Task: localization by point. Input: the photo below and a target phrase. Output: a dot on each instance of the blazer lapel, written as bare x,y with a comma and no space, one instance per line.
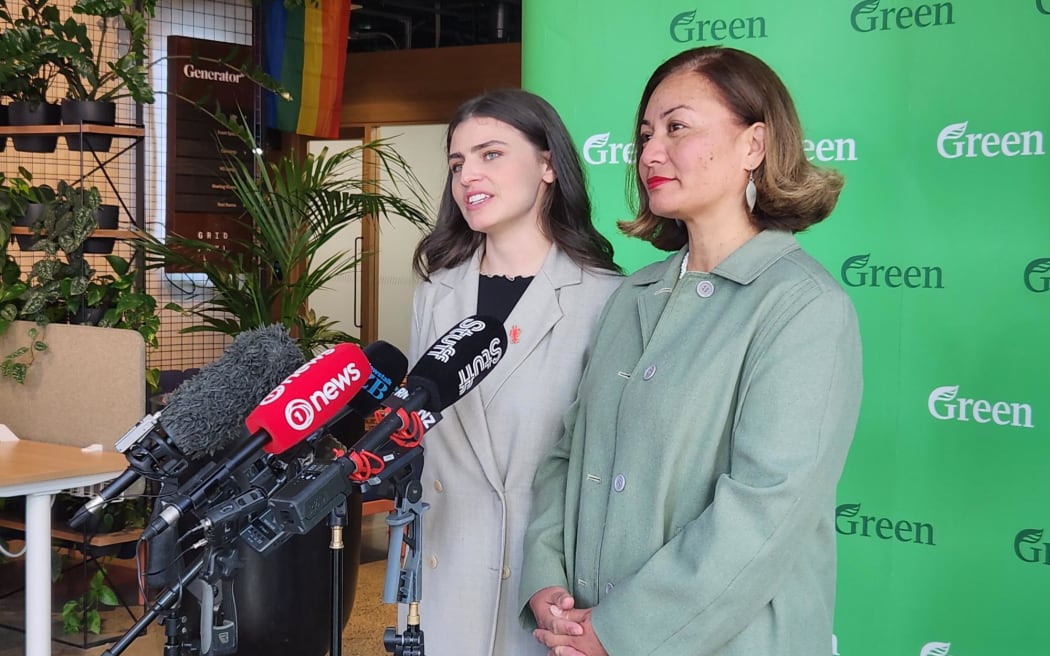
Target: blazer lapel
655,292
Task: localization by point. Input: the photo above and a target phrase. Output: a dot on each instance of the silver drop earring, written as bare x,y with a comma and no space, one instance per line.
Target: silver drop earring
750,192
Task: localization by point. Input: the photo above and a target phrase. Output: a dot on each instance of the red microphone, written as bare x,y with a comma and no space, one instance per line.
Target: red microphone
310,397
298,407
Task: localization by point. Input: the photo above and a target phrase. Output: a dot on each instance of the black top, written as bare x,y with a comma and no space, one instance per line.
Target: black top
497,295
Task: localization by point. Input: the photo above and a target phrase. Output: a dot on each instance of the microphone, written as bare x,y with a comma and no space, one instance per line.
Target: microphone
453,365
204,414
389,365
296,408
450,368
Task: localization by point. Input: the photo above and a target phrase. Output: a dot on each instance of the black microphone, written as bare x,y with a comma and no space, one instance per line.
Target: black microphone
453,365
449,369
389,365
205,413
296,409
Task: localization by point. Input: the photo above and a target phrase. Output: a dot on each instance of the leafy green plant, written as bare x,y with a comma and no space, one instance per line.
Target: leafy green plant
292,209
90,76
29,55
85,608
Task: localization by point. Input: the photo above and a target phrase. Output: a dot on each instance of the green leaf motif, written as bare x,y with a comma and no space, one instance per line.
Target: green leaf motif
848,510
1031,535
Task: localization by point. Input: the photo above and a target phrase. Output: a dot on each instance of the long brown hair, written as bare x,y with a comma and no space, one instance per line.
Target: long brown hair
792,193
565,216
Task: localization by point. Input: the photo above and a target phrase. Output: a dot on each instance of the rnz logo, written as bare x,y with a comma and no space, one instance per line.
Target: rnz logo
955,141
1030,547
1037,275
597,151
936,649
944,403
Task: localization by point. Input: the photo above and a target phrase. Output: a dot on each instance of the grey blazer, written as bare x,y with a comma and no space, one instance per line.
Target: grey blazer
481,458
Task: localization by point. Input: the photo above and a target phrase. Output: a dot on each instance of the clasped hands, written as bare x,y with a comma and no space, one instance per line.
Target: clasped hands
564,629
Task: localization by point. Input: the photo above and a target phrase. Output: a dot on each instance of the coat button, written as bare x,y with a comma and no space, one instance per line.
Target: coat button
619,483
433,562
438,486
609,587
649,372
705,288
505,573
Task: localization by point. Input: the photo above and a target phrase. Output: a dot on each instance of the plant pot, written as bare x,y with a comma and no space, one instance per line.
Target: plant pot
30,114
3,123
33,210
88,316
88,112
284,598
108,217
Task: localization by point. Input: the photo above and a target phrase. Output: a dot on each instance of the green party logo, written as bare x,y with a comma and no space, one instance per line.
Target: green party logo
597,151
1037,275
936,649
1043,7
954,141
867,16
687,28
857,271
945,404
1029,546
850,521
830,150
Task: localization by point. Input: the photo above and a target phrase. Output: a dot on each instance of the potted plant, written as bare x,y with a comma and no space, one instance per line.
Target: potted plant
292,209
63,285
96,82
31,57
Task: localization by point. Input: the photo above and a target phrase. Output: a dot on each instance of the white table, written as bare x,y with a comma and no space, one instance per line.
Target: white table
38,471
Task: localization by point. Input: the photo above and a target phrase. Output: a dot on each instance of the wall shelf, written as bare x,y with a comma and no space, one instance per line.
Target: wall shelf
115,234
71,130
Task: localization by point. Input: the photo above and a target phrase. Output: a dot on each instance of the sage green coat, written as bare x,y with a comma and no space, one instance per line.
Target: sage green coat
691,499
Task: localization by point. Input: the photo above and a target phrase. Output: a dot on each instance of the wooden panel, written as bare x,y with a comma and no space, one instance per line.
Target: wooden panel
424,85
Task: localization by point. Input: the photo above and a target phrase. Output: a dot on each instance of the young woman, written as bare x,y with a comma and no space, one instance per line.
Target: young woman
689,508
514,240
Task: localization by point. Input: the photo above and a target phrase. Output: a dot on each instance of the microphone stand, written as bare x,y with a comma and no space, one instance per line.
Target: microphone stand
337,521
402,585
164,602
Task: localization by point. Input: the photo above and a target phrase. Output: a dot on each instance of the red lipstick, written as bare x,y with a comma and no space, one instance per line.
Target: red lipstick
655,181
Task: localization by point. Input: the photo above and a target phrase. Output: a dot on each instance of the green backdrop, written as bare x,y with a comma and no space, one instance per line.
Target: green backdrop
938,115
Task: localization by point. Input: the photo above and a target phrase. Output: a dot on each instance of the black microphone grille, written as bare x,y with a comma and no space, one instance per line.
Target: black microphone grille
206,413
459,360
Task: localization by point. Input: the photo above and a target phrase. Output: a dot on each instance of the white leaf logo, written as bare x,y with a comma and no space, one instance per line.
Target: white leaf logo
944,393
953,131
597,141
936,649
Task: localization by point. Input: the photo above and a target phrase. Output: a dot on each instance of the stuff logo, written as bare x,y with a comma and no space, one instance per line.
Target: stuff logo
869,16
1030,547
956,140
685,27
1037,275
936,649
945,404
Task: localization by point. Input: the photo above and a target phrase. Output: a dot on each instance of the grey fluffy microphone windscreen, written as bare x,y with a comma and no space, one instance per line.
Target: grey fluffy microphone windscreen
206,413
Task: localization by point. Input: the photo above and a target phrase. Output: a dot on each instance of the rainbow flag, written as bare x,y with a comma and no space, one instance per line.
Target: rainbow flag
304,48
